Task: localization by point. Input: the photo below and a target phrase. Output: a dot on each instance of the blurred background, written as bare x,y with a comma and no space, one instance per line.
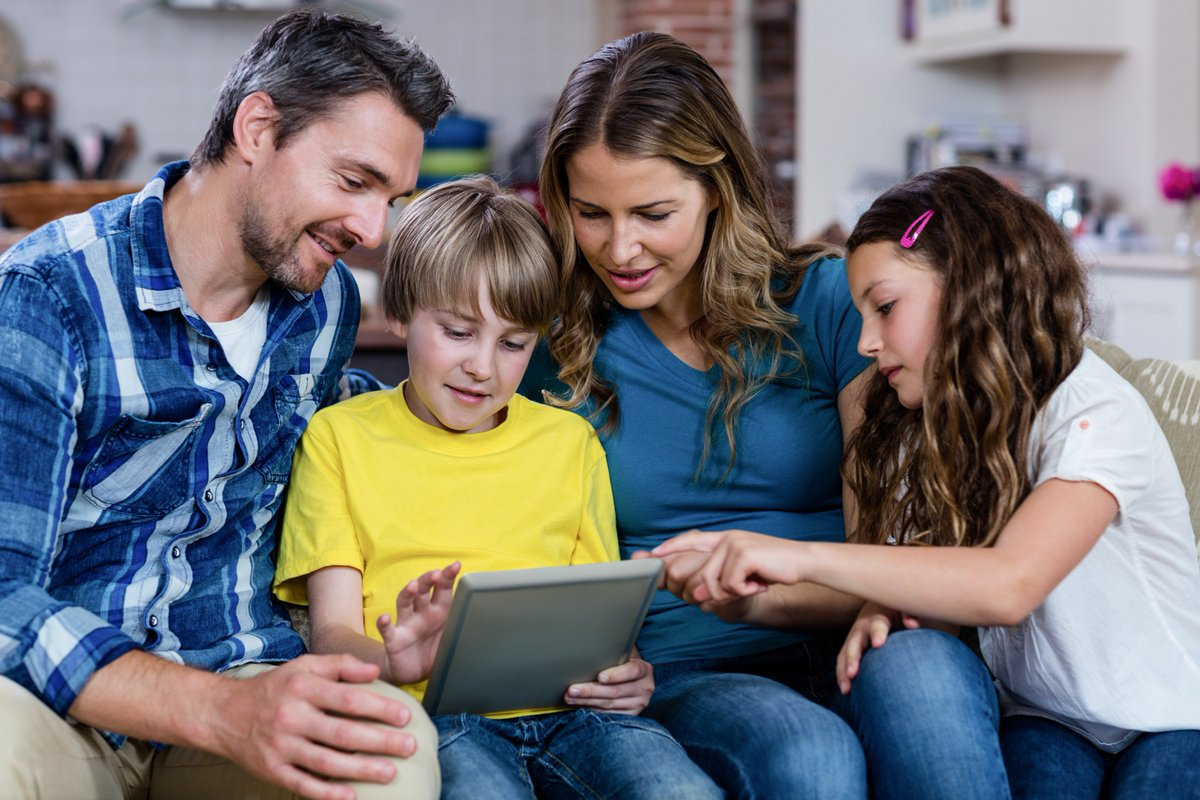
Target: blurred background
1080,104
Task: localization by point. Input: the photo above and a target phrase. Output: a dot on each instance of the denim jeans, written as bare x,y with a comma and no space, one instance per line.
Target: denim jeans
1046,759
578,753
926,711
745,721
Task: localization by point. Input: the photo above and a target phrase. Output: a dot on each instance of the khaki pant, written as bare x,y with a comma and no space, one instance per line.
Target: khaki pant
44,756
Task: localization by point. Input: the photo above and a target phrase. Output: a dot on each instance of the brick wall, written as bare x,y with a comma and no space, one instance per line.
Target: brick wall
709,26
706,25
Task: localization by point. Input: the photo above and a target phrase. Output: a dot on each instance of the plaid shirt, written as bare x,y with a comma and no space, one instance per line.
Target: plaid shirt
140,476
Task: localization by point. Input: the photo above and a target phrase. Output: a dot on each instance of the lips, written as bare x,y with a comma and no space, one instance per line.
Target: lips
467,396
334,242
631,281
889,372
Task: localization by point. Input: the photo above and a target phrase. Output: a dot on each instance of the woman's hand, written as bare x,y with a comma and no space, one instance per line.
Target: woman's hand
412,640
623,689
739,564
870,630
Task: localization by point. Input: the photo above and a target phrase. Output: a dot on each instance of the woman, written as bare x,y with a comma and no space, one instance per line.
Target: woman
718,363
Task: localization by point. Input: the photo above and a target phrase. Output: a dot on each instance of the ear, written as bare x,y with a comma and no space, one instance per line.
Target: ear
714,200
397,327
254,126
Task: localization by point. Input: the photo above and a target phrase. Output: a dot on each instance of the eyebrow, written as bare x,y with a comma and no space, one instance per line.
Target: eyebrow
516,328
640,207
378,175
869,288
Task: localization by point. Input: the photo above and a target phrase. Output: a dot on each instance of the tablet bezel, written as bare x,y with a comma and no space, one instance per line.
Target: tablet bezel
515,639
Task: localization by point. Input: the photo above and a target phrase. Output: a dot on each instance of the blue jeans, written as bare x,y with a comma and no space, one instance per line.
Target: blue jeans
578,753
756,736
1046,759
925,709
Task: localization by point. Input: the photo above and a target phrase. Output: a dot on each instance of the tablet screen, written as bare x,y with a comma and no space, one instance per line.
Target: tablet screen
515,639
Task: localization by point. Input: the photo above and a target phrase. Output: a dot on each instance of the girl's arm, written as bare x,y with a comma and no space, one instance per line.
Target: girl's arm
805,605
409,644
1050,532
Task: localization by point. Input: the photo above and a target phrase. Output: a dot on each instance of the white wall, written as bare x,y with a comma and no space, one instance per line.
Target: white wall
1116,120
861,95
161,69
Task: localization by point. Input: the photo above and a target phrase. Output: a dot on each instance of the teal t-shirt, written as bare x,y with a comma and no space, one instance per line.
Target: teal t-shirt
785,480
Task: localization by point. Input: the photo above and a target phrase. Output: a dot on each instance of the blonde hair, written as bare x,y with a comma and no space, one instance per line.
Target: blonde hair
1010,329
460,233
649,95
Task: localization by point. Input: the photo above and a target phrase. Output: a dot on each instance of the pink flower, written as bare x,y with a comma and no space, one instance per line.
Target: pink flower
1177,182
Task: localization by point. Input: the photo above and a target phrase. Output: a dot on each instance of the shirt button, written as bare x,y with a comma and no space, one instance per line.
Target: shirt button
175,551
242,424
211,367
153,621
208,495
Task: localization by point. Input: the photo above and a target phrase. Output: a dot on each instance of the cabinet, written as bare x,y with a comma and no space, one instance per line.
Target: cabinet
945,31
1148,303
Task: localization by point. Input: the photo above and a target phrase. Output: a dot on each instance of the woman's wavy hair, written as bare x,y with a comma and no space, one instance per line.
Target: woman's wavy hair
649,95
1010,329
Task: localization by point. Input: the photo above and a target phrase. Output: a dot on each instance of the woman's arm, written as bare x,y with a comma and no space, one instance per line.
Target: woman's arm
1048,535
802,605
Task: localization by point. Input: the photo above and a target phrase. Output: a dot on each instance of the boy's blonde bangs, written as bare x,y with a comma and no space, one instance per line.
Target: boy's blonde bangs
458,234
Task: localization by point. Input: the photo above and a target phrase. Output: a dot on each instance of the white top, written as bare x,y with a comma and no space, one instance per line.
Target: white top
1115,648
242,338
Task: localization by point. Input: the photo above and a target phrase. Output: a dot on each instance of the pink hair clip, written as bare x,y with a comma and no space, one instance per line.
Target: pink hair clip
910,236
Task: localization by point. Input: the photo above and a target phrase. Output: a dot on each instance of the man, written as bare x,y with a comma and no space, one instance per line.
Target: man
159,357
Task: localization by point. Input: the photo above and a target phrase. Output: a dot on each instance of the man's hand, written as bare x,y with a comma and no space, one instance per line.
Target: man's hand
421,610
623,689
306,721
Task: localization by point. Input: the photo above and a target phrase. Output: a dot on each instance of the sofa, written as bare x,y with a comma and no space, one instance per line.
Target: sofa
1172,389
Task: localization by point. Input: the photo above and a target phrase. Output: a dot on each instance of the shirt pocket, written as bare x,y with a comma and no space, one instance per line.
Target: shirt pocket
295,400
145,467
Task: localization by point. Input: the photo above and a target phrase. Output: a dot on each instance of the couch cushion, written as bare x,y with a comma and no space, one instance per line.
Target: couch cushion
1172,390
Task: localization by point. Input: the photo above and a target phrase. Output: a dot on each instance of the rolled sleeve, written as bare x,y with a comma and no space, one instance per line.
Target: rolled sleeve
50,647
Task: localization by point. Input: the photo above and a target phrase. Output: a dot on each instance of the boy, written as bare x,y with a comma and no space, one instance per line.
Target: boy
453,465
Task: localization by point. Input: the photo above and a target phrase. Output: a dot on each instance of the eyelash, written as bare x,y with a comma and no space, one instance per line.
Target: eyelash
886,308
650,217
511,346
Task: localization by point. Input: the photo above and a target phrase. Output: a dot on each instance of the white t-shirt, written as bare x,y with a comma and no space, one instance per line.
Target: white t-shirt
1115,648
242,338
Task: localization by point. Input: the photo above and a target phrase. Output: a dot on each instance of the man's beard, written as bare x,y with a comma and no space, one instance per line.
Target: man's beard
278,256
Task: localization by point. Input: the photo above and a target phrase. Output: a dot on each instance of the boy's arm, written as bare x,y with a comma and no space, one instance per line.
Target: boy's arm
335,617
596,539
410,643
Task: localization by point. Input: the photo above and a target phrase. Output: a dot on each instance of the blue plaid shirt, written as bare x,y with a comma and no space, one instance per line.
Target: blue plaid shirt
140,476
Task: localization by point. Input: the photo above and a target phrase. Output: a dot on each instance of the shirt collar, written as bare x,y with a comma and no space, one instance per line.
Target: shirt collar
154,277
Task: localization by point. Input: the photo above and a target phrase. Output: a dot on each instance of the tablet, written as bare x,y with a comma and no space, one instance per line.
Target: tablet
515,639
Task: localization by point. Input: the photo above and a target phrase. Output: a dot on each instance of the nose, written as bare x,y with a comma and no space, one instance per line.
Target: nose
624,245
868,340
479,363
368,223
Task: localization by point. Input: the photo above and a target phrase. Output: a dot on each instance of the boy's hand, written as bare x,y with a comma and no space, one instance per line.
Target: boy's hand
623,689
421,610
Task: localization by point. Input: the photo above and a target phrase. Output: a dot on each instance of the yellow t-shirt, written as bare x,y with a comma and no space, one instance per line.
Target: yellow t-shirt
376,489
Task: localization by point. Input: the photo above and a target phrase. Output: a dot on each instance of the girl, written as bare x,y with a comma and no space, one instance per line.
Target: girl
1038,498
719,364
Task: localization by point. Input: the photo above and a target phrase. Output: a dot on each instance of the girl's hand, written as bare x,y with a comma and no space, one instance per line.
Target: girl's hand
870,629
740,564
421,610
623,689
